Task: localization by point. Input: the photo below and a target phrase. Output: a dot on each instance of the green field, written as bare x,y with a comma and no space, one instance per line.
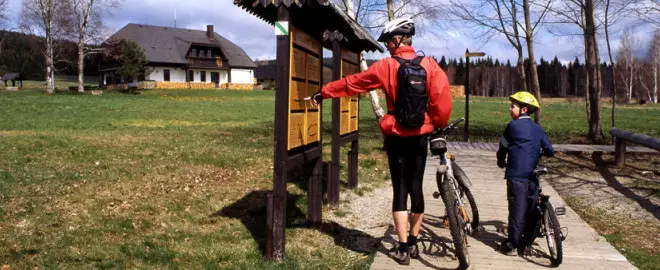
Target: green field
177,179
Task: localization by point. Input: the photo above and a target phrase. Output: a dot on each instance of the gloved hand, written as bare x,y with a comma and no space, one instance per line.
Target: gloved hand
501,163
315,99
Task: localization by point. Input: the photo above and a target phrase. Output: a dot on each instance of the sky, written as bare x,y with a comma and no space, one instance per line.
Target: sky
257,37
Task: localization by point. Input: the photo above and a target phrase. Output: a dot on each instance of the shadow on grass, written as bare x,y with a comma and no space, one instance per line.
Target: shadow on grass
251,211
611,180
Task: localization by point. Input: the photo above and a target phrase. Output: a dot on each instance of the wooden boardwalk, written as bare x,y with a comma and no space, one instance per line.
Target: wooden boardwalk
583,248
564,148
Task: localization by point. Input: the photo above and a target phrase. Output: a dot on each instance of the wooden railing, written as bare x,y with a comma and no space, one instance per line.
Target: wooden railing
204,62
623,136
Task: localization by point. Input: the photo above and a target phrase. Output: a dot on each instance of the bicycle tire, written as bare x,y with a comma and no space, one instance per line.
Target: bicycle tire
455,226
552,233
459,173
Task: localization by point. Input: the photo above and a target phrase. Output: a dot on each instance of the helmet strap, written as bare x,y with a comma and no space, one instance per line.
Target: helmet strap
398,44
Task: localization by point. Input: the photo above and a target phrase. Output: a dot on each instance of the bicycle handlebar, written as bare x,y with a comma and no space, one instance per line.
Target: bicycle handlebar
451,127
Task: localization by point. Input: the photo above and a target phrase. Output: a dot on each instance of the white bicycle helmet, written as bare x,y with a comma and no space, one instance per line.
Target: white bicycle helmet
398,27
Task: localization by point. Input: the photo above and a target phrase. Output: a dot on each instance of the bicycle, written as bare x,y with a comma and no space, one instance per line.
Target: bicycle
549,223
454,188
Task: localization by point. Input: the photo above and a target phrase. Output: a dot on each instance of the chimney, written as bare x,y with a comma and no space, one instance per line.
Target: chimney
209,31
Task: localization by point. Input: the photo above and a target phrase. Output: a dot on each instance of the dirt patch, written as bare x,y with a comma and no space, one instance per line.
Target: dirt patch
613,199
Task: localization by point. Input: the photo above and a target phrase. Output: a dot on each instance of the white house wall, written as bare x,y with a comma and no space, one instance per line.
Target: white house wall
157,74
197,77
242,76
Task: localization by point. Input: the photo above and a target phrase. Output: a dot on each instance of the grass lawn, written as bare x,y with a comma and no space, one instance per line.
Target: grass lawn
177,178
564,122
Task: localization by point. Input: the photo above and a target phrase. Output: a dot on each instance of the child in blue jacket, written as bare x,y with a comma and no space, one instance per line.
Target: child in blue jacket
524,142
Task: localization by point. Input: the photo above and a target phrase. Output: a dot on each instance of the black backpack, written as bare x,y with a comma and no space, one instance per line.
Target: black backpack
412,100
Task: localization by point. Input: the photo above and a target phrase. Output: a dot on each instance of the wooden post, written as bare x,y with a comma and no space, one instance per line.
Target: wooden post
315,182
275,235
333,180
620,151
353,165
466,133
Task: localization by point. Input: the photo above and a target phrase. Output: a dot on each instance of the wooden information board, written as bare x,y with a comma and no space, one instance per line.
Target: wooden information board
349,105
305,80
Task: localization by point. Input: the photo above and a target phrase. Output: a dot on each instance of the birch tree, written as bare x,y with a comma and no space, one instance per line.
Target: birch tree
43,17
627,61
654,57
84,19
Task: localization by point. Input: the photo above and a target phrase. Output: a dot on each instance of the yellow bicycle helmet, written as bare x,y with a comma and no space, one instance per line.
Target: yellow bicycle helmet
526,98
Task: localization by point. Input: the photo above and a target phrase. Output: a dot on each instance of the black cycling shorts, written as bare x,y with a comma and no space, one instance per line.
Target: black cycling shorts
407,160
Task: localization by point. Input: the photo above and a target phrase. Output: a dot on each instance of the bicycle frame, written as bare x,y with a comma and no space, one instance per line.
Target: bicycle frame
446,169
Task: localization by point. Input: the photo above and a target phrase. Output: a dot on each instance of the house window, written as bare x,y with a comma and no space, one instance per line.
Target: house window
166,75
202,75
193,52
191,76
209,54
201,53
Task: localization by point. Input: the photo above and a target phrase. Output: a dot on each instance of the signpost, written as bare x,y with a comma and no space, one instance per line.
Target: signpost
468,54
298,142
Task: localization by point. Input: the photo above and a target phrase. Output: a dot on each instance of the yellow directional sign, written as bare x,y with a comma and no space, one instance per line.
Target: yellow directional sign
475,54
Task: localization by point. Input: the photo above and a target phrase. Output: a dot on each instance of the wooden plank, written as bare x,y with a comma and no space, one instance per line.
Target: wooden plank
304,40
348,138
313,71
298,92
344,123
345,103
298,64
354,107
296,130
348,68
350,56
353,124
312,88
313,129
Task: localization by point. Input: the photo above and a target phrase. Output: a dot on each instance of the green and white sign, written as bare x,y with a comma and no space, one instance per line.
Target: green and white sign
282,28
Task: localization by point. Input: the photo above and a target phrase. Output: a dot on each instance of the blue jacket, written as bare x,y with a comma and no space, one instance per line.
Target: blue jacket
524,141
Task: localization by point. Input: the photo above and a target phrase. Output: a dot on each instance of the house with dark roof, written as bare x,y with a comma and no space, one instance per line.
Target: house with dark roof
184,58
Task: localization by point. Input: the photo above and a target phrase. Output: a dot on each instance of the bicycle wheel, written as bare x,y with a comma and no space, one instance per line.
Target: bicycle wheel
467,194
455,224
552,234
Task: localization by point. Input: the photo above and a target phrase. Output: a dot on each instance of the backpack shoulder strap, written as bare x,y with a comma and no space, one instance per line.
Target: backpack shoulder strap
418,60
401,61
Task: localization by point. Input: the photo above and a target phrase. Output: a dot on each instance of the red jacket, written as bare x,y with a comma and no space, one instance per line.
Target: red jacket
383,75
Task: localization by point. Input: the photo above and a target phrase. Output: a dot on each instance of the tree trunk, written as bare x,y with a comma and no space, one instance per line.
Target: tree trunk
50,70
390,10
609,52
532,61
81,66
593,70
630,82
655,82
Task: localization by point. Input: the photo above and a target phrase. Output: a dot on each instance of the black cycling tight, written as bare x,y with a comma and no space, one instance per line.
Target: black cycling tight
407,160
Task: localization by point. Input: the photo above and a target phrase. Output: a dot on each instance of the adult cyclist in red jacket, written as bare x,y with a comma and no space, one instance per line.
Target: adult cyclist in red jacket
406,147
